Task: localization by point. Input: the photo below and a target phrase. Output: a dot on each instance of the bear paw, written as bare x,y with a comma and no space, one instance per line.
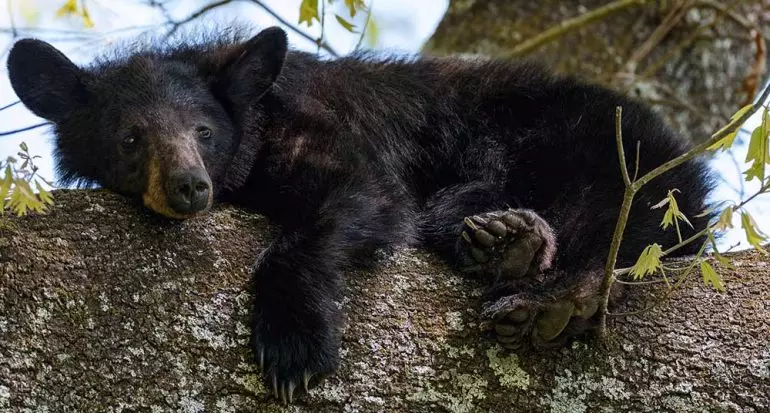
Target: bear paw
507,245
293,361
541,321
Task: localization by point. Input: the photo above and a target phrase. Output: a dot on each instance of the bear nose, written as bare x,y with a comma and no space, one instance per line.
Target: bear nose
188,192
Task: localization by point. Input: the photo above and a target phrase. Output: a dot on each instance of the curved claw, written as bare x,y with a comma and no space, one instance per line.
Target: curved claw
262,359
290,390
306,381
554,320
275,385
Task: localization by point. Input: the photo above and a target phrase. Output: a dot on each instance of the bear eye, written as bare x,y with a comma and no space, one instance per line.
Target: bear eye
203,132
131,141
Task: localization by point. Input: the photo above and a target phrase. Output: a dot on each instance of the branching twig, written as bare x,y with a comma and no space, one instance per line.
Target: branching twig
673,18
10,105
566,26
727,11
620,226
175,25
700,148
13,132
293,28
633,187
366,25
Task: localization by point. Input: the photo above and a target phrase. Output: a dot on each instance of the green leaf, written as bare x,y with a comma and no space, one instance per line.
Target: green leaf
44,195
648,262
672,213
725,220
753,234
726,142
710,276
758,153
354,6
88,23
70,7
308,11
5,187
372,33
346,24
23,147
24,199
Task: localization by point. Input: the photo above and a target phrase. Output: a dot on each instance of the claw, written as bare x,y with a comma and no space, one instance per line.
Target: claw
484,238
283,394
467,237
261,359
275,385
290,390
472,225
306,380
554,320
479,220
497,228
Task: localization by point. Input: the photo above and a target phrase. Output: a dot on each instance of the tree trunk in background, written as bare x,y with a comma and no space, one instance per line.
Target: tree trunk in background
106,308
694,76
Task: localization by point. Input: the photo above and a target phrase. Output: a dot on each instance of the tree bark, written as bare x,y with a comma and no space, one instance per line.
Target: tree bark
693,75
105,307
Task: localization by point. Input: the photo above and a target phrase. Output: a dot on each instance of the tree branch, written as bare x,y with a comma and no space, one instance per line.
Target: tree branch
566,26
13,132
294,28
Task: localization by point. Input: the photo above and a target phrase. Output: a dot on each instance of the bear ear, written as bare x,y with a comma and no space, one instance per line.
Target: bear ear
45,80
250,73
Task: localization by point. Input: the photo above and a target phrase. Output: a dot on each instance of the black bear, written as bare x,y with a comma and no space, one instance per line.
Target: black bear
506,171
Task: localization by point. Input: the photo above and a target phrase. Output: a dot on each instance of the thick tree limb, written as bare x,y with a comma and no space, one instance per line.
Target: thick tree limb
702,63
104,307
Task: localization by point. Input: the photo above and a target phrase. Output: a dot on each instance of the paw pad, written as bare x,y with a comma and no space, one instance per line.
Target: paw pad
506,244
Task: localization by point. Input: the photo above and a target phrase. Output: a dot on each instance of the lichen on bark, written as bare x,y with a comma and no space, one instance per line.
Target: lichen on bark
104,307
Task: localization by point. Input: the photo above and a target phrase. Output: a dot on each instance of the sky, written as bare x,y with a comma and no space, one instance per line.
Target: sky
404,25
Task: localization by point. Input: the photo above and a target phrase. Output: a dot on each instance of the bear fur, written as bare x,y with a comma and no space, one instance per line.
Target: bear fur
507,171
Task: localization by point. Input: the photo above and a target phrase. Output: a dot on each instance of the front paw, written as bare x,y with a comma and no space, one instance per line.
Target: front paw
294,352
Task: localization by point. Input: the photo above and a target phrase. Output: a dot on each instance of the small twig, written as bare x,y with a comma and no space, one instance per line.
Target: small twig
14,32
619,141
13,132
292,27
175,25
727,11
704,231
366,25
10,105
700,148
620,226
638,154
320,39
673,18
653,68
670,290
566,26
628,196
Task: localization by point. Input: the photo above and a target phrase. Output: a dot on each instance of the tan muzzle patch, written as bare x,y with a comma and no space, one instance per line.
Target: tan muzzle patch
154,196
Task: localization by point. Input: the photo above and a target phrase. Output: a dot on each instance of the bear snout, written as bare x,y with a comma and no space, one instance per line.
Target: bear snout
189,192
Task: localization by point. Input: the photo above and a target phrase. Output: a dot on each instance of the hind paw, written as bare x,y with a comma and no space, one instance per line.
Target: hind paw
506,244
522,320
